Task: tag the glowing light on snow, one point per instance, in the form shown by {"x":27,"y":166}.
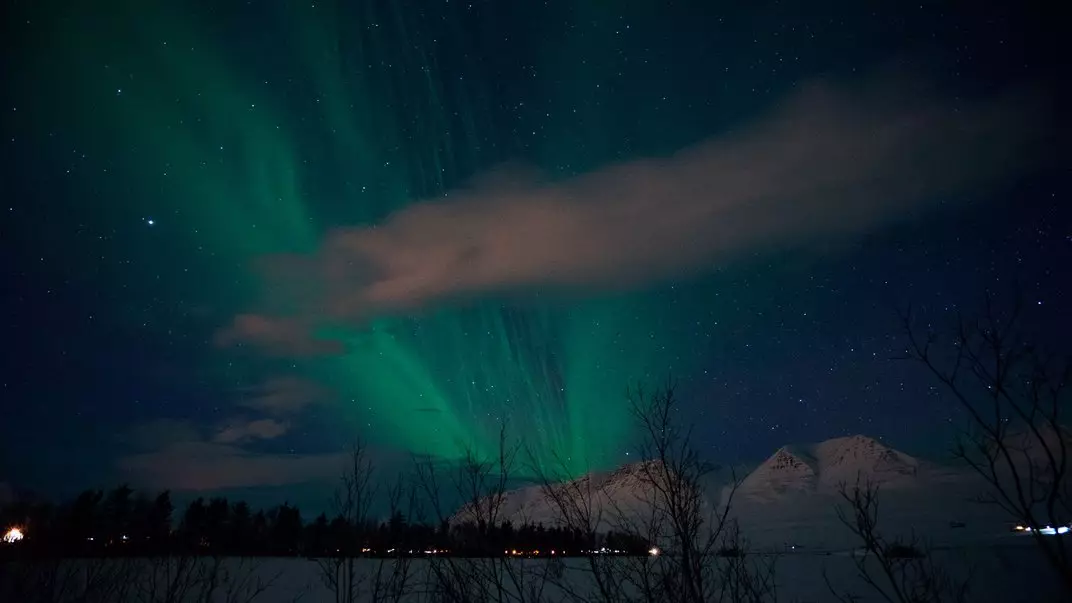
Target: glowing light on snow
{"x":1045,"y":531}
{"x":13,"y":535}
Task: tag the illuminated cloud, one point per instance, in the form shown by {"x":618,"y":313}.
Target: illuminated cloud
{"x":259,"y":429}
{"x":279,"y":336}
{"x":832,"y":161}
{"x":282,"y":396}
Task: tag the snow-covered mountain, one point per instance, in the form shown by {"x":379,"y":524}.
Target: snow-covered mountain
{"x":787,"y":470}
{"x":826,"y":465}
{"x":599,"y":498}
{"x":794,"y":491}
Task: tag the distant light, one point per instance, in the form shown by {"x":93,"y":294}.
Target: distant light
{"x":654,"y":551}
{"x":1062,"y":530}
{"x":14,"y":535}
{"x":150,"y":221}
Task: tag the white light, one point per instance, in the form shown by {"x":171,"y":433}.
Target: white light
{"x":13,"y":535}
{"x":1062,"y":530}
{"x":654,"y":551}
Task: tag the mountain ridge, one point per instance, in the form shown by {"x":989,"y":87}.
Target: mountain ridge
{"x":812,"y":471}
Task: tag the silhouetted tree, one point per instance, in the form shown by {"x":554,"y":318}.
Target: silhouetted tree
{"x":159,"y":519}
{"x":117,"y":511}
{"x":1017,"y":395}
{"x":900,"y":571}
{"x":286,"y":530}
{"x":217,"y":525}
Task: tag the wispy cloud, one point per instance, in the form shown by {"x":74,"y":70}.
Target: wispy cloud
{"x":831,"y":161}
{"x":283,"y":396}
{"x":278,"y":336}
{"x":183,"y":455}
{"x":244,"y":431}
{"x":187,"y":460}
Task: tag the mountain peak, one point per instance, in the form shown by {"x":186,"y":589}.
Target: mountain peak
{"x":827,"y":464}
{"x":847,"y":458}
{"x":788,"y":469}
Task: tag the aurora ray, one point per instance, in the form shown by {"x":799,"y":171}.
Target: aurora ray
{"x":241,"y":167}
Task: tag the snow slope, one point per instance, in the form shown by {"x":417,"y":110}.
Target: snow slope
{"x":596,"y":498}
{"x":823,"y":467}
{"x":790,"y":499}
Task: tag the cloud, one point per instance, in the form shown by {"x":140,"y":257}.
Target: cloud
{"x":259,"y":429}
{"x":161,"y":432}
{"x":278,"y":336}
{"x":188,"y":461}
{"x":831,"y":161}
{"x":282,"y":396}
{"x":202,"y":466}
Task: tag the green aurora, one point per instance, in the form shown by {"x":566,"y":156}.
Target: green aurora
{"x":243,"y":147}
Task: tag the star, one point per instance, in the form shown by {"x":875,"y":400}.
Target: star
{"x":150,"y":221}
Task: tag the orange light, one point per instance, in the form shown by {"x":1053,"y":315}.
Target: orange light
{"x":14,"y":535}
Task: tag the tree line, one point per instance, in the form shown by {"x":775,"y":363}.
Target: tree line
{"x":125,"y":522}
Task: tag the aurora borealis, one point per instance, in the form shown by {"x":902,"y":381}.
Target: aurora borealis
{"x":280,"y":226}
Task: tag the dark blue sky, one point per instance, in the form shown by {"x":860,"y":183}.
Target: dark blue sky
{"x":114,"y":369}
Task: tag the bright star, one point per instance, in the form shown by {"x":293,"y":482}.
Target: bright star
{"x":150,"y":221}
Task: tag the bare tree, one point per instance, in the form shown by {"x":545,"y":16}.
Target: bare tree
{"x":1016,"y":395}
{"x":479,"y":573}
{"x":697,"y":555}
{"x":169,"y":579}
{"x":899,"y":571}
{"x":584,"y":507}
{"x":385,"y":579}
{"x":232,"y":580}
{"x":707,"y":560}
{"x":189,"y":578}
{"x":56,"y":580}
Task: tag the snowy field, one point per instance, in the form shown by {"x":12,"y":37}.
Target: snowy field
{"x":1009,"y":572}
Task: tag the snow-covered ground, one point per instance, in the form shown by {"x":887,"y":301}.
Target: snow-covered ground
{"x":1008,"y":573}
{"x":786,"y":509}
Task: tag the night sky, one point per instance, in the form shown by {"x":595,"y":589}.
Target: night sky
{"x":235,"y":236}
